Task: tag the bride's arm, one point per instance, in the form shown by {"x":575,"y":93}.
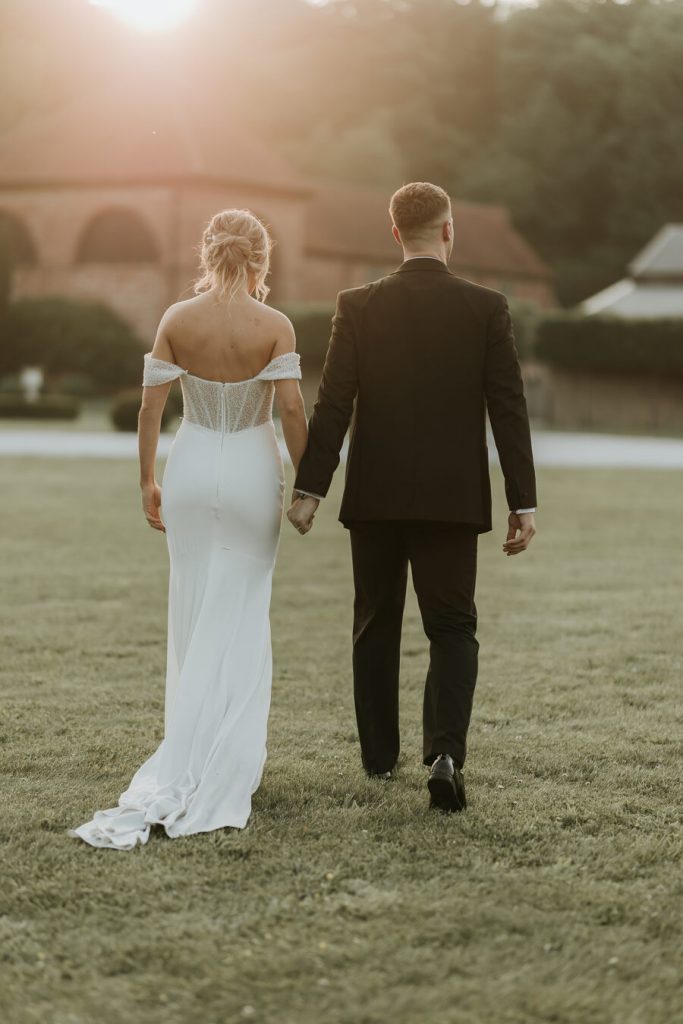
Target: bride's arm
{"x":290,"y":402}
{"x":149,"y":428}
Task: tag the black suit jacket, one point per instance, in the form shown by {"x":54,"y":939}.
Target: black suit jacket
{"x":422,"y":354}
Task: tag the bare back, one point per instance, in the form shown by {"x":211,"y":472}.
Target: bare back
{"x":220,"y":340}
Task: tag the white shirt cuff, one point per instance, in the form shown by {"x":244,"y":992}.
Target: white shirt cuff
{"x":521,"y":511}
{"x":308,"y":494}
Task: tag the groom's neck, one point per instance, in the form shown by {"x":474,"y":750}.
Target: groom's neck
{"x":434,"y":253}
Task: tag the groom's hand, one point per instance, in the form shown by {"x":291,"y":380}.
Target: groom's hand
{"x":521,"y":528}
{"x":302,"y":512}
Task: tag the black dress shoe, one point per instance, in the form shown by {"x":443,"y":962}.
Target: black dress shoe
{"x":383,"y":776}
{"x":446,"y":785}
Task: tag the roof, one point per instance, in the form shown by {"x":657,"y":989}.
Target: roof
{"x":629,"y":298}
{"x":662,"y":257}
{"x":137,"y":133}
{"x":354,"y":223}
{"x":655,"y":287}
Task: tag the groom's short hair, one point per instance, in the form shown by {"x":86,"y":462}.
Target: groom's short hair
{"x":419,"y":207}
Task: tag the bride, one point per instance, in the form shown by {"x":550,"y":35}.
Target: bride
{"x":221,"y":510}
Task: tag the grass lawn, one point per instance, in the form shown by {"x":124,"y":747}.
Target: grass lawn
{"x":554,"y":898}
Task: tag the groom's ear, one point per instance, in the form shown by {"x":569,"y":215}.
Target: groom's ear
{"x":397,"y":237}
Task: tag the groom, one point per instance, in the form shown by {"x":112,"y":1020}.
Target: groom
{"x":422,"y":354}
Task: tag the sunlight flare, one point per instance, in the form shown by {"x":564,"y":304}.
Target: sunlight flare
{"x":149,"y":15}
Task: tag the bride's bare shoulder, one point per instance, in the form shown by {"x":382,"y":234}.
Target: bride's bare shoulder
{"x":273,"y":317}
{"x":163,"y":343}
{"x":280,"y":327}
{"x":179,"y":321}
{"x":183,"y":309}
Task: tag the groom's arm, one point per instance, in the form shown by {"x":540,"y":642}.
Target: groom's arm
{"x":508,"y":411}
{"x":333,"y":407}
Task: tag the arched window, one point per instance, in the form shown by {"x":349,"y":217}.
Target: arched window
{"x":117,"y":236}
{"x":16,"y":239}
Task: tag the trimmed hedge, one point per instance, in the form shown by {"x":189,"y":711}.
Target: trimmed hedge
{"x":68,"y":338}
{"x":526,"y":317}
{"x":126,"y":406}
{"x":312,"y":322}
{"x":6,"y":266}
{"x":610,"y":345}
{"x":313,"y":325}
{"x":48,"y":407}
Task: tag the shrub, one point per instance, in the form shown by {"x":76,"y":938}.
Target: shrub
{"x":126,"y":406}
{"x":6,"y":266}
{"x":611,"y":345}
{"x":174,"y":402}
{"x":313,"y":325}
{"x":10,"y":384}
{"x":526,"y":317}
{"x":64,"y":336}
{"x":81,"y":385}
{"x":48,"y":407}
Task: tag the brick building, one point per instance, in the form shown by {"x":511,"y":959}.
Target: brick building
{"x":108,"y":197}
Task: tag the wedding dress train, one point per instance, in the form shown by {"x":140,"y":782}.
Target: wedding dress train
{"x":221,"y":504}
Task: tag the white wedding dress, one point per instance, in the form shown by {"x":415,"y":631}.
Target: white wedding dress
{"x":221,"y":503}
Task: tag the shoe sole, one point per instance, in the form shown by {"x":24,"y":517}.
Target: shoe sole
{"x":444,"y":794}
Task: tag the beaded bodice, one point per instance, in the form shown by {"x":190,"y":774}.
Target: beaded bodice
{"x":225,"y":406}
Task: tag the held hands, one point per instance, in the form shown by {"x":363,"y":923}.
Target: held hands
{"x":151,"y":505}
{"x":302,"y":512}
{"x":521,"y":528}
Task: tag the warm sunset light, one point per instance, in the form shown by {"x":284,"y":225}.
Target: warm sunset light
{"x":149,"y":15}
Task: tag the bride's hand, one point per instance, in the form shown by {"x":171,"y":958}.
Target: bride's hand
{"x":302,"y":512}
{"x":151,"y":505}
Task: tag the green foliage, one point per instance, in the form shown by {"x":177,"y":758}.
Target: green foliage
{"x":312,"y":324}
{"x":47,"y":407}
{"x":64,"y":336}
{"x":567,"y":112}
{"x":610,"y":345}
{"x":126,"y":406}
{"x":174,"y":402}
{"x":10,"y":384}
{"x":365,"y":154}
{"x":80,"y":385}
{"x":588,"y":148}
{"x":526,"y":317}
{"x":6,"y":266}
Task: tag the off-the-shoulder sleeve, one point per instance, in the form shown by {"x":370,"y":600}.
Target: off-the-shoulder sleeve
{"x":284,"y":367}
{"x":158,"y":371}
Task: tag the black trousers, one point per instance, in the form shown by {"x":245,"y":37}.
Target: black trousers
{"x":443,"y":560}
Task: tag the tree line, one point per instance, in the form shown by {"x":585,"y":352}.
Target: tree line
{"x":568,"y":112}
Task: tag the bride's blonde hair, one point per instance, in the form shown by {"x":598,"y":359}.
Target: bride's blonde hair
{"x":235,"y":246}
